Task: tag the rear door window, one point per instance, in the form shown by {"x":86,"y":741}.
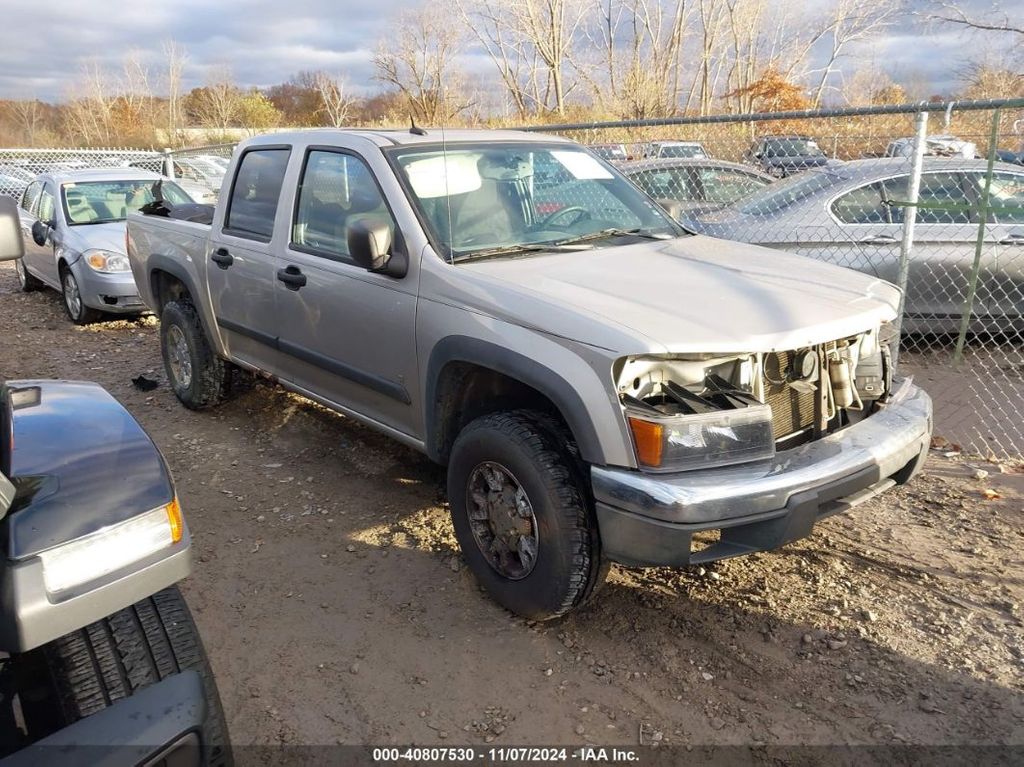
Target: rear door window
{"x":252,"y":206}
{"x":31,"y":197}
{"x":864,"y":205}
{"x":945,"y":191}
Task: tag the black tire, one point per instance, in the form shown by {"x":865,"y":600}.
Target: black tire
{"x":206,"y":382}
{"x":92,"y":668}
{"x":71,"y":298}
{"x":26,"y":281}
{"x":568,"y":566}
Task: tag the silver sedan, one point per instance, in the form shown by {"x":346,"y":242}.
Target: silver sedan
{"x":852,"y":215}
{"x":73,"y":224}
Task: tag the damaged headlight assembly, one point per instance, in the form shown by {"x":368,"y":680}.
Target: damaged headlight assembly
{"x":676,"y":429}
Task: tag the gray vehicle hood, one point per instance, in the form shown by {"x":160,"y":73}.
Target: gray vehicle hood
{"x":690,"y":294}
{"x":102,"y":236}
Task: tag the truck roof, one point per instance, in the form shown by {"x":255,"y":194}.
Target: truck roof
{"x":399,"y":136}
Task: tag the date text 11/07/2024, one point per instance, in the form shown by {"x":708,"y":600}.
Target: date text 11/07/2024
{"x":504,"y":754}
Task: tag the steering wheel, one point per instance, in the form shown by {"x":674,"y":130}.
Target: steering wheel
{"x":562,"y":212}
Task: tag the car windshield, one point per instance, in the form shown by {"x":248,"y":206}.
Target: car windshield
{"x":782,"y":194}
{"x":505,"y":198}
{"x":681,"y":150}
{"x":100,"y":202}
{"x":793,"y":147}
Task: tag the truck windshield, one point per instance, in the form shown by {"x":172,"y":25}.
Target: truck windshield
{"x":100,"y":202}
{"x":502,"y":199}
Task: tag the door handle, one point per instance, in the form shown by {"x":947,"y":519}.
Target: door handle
{"x":222,"y":258}
{"x":292,"y":277}
{"x":1013,"y":239}
{"x":879,"y":239}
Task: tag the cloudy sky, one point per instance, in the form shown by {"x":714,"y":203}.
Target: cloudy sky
{"x":44,"y":44}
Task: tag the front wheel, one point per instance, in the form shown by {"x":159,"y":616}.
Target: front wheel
{"x":522,"y":515}
{"x":197,"y":375}
{"x":90,"y":669}
{"x":74,"y":304}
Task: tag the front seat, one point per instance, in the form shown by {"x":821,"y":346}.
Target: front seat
{"x":79,"y":209}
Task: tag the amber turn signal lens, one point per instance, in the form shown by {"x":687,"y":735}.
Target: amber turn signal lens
{"x":96,"y":261}
{"x":175,"y":520}
{"x":649,"y":440}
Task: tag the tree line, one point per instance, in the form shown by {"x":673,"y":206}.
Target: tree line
{"x":488,"y":61}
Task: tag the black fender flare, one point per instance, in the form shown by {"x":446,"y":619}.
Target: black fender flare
{"x":158,"y":262}
{"x":519,"y":367}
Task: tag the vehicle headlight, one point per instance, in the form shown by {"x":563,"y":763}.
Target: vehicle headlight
{"x":702,"y":440}
{"x":694,"y":411}
{"x":106,"y":551}
{"x":106,"y":261}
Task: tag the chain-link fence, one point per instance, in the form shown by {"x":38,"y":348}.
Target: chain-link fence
{"x":19,"y":166}
{"x":932,"y":201}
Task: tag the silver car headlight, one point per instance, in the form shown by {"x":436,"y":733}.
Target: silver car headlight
{"x":701,"y":440}
{"x":106,"y":261}
{"x":694,"y":412}
{"x":106,"y":551}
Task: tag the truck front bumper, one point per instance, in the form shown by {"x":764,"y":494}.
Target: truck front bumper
{"x":650,"y":520}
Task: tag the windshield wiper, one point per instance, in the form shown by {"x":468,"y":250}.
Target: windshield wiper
{"x":613,"y":232}
{"x":96,"y":221}
{"x":503,"y":250}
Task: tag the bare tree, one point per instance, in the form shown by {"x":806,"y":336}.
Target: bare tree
{"x":419,"y":62}
{"x":992,"y":20}
{"x":531,"y":43}
{"x":174,"y":57}
{"x":219,"y":102}
{"x":849,"y":22}
{"x":28,"y":114}
{"x":90,"y":115}
{"x":638,"y":46}
{"x":335,"y":101}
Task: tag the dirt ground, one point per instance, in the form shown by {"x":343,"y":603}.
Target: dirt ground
{"x":335,"y":607}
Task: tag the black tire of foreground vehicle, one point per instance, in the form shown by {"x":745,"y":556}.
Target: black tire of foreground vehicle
{"x":531,"y":446}
{"x":90,"y":669}
{"x":26,"y":281}
{"x":207,"y":381}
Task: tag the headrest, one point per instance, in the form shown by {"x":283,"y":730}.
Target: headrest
{"x":502,"y":166}
{"x":363,"y":200}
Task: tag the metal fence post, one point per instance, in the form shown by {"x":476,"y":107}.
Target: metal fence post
{"x":909,"y":221}
{"x":979,"y":243}
{"x":168,"y":163}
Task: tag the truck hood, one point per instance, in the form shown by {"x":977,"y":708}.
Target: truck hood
{"x":108,"y":236}
{"x":690,"y":294}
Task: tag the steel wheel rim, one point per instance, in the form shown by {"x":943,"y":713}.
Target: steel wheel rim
{"x":72,"y":297}
{"x":178,"y":358}
{"x":502,"y":520}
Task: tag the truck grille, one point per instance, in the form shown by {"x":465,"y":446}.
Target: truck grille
{"x":792,"y":411}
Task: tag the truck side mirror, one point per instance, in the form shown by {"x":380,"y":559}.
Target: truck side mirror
{"x":40,"y":231}
{"x":369,"y":245}
{"x":12,"y":247}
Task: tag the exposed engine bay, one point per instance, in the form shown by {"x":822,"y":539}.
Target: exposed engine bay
{"x":810,"y":391}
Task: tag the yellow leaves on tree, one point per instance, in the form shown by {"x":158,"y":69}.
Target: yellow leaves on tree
{"x":772,"y":92}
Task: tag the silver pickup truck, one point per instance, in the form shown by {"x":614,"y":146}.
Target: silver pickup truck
{"x":601,"y":384}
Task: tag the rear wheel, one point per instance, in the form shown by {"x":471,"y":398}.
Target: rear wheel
{"x":88,"y":670}
{"x":74,"y":305}
{"x":197,"y":375}
{"x":26,"y":281}
{"x":522,"y":514}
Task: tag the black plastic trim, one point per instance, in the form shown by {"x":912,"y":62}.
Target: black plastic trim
{"x":379,"y":384}
{"x":530,"y":372}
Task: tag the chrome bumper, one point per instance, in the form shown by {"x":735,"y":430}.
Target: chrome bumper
{"x":820,"y":477}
